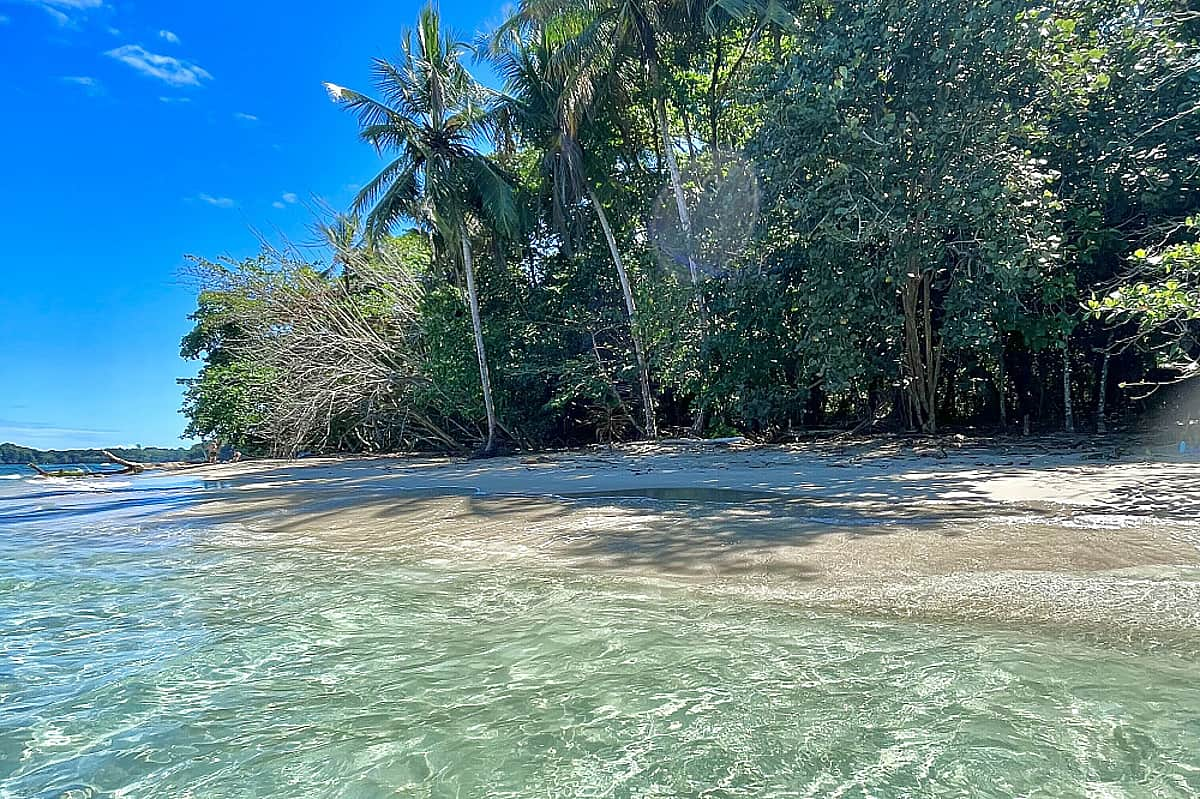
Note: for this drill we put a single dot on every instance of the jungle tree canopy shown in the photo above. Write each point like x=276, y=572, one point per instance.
x=752, y=215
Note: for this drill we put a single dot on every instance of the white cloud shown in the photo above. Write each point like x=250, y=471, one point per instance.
x=245, y=117
x=165, y=99
x=290, y=198
x=169, y=36
x=278, y=205
x=62, y=19
x=61, y=10
x=90, y=85
x=217, y=202
x=174, y=71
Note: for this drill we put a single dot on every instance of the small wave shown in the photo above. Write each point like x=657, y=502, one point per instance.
x=11, y=476
x=1093, y=521
x=81, y=484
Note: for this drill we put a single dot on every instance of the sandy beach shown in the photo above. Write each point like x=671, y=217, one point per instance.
x=1012, y=534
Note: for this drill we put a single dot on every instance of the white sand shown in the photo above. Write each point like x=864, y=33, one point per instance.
x=1019, y=535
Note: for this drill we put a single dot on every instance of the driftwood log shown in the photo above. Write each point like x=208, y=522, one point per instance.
x=131, y=467
x=128, y=467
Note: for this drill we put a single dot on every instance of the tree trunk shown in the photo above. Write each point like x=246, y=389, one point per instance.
x=130, y=466
x=685, y=218
x=1000, y=389
x=687, y=133
x=714, y=108
x=477, y=326
x=638, y=351
x=1102, y=391
x=1068, y=409
x=922, y=355
x=685, y=221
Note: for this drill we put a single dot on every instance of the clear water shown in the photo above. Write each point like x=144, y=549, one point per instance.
x=156, y=661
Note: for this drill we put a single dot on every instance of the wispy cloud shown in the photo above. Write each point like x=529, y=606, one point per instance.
x=58, y=16
x=165, y=99
x=285, y=199
x=62, y=11
x=169, y=36
x=4, y=20
x=92, y=86
x=216, y=202
x=174, y=71
x=245, y=117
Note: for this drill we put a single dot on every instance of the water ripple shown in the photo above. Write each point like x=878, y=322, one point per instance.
x=153, y=661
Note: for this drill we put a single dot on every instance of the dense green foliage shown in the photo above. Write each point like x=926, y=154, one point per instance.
x=744, y=216
x=12, y=453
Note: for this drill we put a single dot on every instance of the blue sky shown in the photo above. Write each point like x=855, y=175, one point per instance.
x=135, y=133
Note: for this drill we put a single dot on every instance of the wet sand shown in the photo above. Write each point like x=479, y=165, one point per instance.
x=1011, y=535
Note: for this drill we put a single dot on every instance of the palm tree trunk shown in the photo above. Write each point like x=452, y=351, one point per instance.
x=639, y=352
x=685, y=218
x=685, y=221
x=477, y=326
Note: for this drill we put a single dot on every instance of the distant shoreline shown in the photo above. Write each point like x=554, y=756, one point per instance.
x=17, y=455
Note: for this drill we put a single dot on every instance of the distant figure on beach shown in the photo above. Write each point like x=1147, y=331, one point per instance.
x=211, y=449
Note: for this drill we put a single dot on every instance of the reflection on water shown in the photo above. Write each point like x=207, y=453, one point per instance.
x=163, y=662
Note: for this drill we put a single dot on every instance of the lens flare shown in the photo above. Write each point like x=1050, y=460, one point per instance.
x=722, y=200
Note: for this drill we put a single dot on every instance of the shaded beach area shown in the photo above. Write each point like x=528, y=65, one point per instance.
x=1014, y=534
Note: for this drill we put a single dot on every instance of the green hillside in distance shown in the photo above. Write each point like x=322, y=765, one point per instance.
x=14, y=453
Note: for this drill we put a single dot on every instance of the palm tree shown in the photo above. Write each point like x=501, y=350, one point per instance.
x=532, y=105
x=600, y=39
x=430, y=114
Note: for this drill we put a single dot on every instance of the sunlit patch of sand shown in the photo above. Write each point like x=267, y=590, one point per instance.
x=1052, y=539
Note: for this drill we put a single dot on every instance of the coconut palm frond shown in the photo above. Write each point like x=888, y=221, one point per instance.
x=393, y=195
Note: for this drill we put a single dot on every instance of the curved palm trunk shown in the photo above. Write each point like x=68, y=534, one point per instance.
x=477, y=326
x=685, y=218
x=627, y=291
x=685, y=221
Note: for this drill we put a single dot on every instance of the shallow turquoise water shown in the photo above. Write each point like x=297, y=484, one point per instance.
x=167, y=662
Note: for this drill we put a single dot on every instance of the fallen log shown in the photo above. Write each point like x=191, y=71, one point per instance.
x=75, y=472
x=131, y=467
x=128, y=467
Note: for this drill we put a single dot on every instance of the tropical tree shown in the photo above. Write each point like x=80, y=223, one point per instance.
x=901, y=193
x=431, y=115
x=1158, y=299
x=606, y=43
x=535, y=109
